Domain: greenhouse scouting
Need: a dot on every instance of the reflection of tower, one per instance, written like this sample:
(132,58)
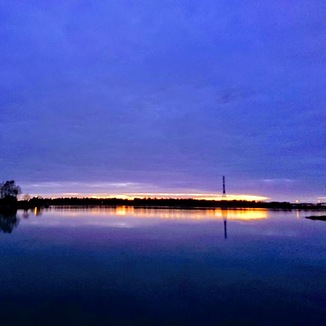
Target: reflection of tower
(224,193)
(225,230)
(225,218)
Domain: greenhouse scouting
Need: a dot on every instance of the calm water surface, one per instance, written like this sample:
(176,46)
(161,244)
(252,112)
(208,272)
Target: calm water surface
(129,265)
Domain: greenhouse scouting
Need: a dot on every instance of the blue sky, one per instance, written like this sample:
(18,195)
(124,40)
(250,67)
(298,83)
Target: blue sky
(164,97)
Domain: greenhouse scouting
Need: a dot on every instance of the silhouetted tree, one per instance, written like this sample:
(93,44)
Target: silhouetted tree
(9,189)
(8,193)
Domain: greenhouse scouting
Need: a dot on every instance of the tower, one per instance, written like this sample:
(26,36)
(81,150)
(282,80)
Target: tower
(224,193)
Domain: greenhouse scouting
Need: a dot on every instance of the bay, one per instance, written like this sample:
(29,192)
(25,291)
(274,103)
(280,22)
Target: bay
(128,265)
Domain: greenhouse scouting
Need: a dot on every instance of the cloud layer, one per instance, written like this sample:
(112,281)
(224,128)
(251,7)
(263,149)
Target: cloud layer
(169,93)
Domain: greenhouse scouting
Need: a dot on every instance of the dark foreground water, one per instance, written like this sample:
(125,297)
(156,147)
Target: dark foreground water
(162,266)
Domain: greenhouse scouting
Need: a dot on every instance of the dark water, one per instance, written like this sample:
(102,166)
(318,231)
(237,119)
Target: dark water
(164,266)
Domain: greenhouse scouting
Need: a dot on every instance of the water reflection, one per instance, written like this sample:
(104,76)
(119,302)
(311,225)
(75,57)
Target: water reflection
(26,214)
(174,267)
(128,216)
(8,220)
(37,211)
(317,217)
(225,230)
(224,214)
(225,217)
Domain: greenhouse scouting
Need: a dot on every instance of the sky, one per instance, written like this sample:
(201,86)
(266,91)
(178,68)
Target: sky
(164,97)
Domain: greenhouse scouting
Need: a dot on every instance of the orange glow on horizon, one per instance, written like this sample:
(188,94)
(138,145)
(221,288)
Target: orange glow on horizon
(131,196)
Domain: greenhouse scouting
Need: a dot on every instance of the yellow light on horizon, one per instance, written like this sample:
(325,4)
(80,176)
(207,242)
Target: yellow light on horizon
(196,196)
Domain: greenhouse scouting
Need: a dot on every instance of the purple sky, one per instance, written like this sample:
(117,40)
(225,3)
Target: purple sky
(164,96)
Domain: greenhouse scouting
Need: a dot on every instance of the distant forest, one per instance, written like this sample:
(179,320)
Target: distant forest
(9,192)
(156,202)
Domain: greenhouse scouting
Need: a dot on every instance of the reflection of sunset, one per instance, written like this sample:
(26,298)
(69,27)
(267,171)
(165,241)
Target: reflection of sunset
(124,210)
(170,213)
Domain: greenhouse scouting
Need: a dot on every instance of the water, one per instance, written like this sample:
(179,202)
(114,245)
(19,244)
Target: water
(162,266)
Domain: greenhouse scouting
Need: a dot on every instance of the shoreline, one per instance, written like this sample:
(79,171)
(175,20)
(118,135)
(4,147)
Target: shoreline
(158,203)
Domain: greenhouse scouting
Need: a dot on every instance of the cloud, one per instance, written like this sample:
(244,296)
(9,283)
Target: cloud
(163,93)
(277,181)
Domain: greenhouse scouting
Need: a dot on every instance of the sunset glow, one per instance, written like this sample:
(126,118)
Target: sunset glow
(132,196)
(183,196)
